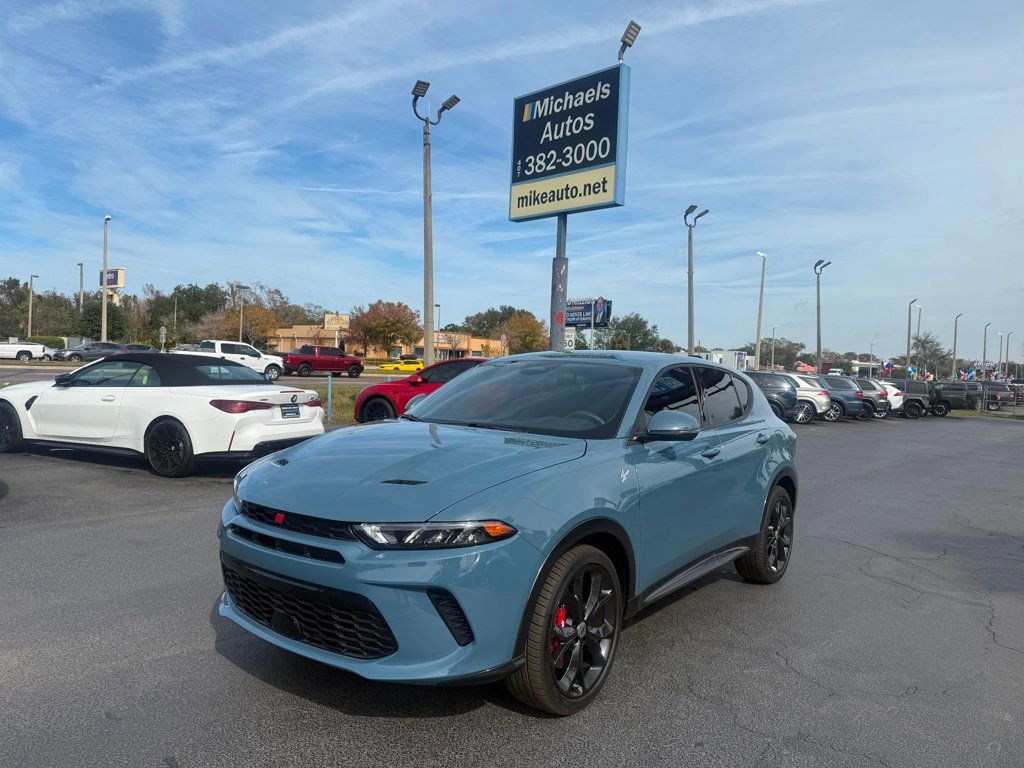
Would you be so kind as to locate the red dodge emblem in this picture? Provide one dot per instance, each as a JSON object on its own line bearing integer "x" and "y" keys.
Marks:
{"x": 279, "y": 518}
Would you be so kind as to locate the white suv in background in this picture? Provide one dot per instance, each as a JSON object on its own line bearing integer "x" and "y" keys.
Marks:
{"x": 895, "y": 395}
{"x": 812, "y": 399}
{"x": 269, "y": 365}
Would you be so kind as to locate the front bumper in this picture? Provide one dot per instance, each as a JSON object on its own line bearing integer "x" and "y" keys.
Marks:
{"x": 491, "y": 583}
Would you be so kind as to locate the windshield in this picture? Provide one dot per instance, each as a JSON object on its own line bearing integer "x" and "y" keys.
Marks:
{"x": 565, "y": 398}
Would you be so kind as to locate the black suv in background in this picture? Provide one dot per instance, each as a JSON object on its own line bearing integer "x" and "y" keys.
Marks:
{"x": 779, "y": 390}
{"x": 956, "y": 395}
{"x": 919, "y": 397}
{"x": 876, "y": 399}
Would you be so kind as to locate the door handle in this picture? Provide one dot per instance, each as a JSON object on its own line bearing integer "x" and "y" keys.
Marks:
{"x": 108, "y": 398}
{"x": 762, "y": 438}
{"x": 710, "y": 453}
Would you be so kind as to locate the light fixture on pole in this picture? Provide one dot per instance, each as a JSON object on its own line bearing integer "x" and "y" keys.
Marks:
{"x": 628, "y": 38}
{"x": 819, "y": 267}
{"x": 773, "y": 346}
{"x": 103, "y": 283}
{"x": 241, "y": 306}
{"x": 956, "y": 321}
{"x": 984, "y": 353}
{"x": 30, "y": 292}
{"x": 760, "y": 307}
{"x": 81, "y": 286}
{"x": 910, "y": 314}
{"x": 689, "y": 272}
{"x": 419, "y": 90}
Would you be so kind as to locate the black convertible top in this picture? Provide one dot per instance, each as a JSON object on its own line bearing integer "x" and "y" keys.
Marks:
{"x": 192, "y": 370}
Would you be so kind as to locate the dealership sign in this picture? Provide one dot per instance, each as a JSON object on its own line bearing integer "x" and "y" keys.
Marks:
{"x": 569, "y": 146}
{"x": 584, "y": 313}
{"x": 112, "y": 278}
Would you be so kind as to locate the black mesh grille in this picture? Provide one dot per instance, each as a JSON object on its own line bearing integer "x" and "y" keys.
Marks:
{"x": 284, "y": 545}
{"x": 340, "y": 622}
{"x": 451, "y": 613}
{"x": 292, "y": 521}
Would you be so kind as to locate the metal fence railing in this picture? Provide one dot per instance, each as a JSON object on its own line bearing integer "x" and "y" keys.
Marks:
{"x": 1010, "y": 403}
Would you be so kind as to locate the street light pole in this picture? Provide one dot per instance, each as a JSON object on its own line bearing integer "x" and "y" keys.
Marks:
{"x": 819, "y": 267}
{"x": 773, "y": 346}
{"x": 1006, "y": 361}
{"x": 760, "y": 307}
{"x": 956, "y": 321}
{"x": 689, "y": 272}
{"x": 30, "y": 292}
{"x": 438, "y": 308}
{"x": 999, "y": 360}
{"x": 910, "y": 313}
{"x": 984, "y": 353}
{"x": 919, "y": 310}
{"x": 871, "y": 363}
{"x": 81, "y": 286}
{"x": 103, "y": 283}
{"x": 418, "y": 91}
{"x": 241, "y": 307}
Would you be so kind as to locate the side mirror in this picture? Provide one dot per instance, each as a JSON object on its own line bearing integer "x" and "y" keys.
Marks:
{"x": 414, "y": 401}
{"x": 416, "y": 380}
{"x": 62, "y": 380}
{"x": 672, "y": 425}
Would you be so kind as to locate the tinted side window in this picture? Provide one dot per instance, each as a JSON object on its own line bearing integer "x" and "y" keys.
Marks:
{"x": 331, "y": 352}
{"x": 207, "y": 345}
{"x": 954, "y": 387}
{"x": 232, "y": 349}
{"x": 866, "y": 385}
{"x": 836, "y": 383}
{"x": 721, "y": 403}
{"x": 443, "y": 373}
{"x": 113, "y": 373}
{"x": 674, "y": 389}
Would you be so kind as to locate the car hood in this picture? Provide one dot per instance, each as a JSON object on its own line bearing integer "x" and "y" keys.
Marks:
{"x": 17, "y": 391}
{"x": 398, "y": 471}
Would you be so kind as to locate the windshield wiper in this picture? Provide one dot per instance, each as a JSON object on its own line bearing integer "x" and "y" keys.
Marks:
{"x": 410, "y": 417}
{"x": 502, "y": 427}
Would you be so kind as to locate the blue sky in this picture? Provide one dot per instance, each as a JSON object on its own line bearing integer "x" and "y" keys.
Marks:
{"x": 273, "y": 142}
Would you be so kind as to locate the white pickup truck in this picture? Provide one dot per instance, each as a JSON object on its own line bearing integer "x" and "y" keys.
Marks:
{"x": 24, "y": 351}
{"x": 269, "y": 365}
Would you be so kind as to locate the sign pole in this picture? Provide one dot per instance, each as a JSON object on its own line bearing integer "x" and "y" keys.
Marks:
{"x": 592, "y": 317}
{"x": 559, "y": 280}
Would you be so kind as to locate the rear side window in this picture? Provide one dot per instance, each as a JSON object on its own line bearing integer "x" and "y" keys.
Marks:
{"x": 721, "y": 401}
{"x": 231, "y": 374}
{"x": 442, "y": 374}
{"x": 331, "y": 352}
{"x": 954, "y": 387}
{"x": 866, "y": 385}
{"x": 306, "y": 350}
{"x": 836, "y": 383}
{"x": 917, "y": 387}
{"x": 207, "y": 345}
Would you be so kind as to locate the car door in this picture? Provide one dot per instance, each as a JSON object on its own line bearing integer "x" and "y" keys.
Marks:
{"x": 330, "y": 359}
{"x": 236, "y": 353}
{"x": 745, "y": 437}
{"x": 680, "y": 482}
{"x": 87, "y": 409}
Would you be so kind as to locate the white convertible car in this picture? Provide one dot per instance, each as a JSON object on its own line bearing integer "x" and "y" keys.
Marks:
{"x": 172, "y": 409}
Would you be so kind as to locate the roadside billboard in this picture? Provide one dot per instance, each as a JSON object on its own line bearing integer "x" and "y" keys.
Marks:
{"x": 569, "y": 146}
{"x": 578, "y": 312}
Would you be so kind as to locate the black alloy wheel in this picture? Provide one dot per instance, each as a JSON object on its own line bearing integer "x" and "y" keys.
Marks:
{"x": 10, "y": 429}
{"x": 573, "y": 633}
{"x": 75, "y": 358}
{"x": 767, "y": 561}
{"x": 305, "y": 369}
{"x": 169, "y": 449}
{"x": 354, "y": 371}
{"x": 912, "y": 409}
{"x": 866, "y": 412}
{"x": 940, "y": 409}
{"x": 377, "y": 409}
{"x": 803, "y": 413}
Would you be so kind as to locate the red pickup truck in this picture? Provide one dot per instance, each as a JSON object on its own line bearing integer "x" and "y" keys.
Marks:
{"x": 309, "y": 359}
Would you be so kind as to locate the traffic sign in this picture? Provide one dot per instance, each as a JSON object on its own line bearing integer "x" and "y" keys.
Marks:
{"x": 570, "y": 338}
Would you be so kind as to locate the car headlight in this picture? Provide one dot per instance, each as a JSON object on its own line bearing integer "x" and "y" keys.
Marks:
{"x": 432, "y": 535}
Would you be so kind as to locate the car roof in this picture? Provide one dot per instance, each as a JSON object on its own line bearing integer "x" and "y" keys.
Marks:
{"x": 650, "y": 361}
{"x": 178, "y": 370}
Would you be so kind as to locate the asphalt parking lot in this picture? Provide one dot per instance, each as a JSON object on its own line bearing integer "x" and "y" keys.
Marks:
{"x": 896, "y": 638}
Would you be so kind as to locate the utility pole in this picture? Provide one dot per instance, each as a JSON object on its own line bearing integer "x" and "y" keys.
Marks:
{"x": 956, "y": 321}
{"x": 773, "y": 346}
{"x": 689, "y": 272}
{"x": 241, "y": 307}
{"x": 984, "y": 353}
{"x": 760, "y": 307}
{"x": 30, "y": 292}
{"x": 103, "y": 283}
{"x": 81, "y": 286}
{"x": 819, "y": 267}
{"x": 1006, "y": 357}
{"x": 910, "y": 314}
{"x": 559, "y": 286}
{"x": 174, "y": 320}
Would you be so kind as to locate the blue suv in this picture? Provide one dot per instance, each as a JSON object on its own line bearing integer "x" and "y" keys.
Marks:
{"x": 846, "y": 396}
{"x": 508, "y": 524}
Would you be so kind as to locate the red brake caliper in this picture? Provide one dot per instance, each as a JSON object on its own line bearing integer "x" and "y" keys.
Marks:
{"x": 559, "y": 624}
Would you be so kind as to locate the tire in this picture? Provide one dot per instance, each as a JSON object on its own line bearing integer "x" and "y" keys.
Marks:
{"x": 866, "y": 412}
{"x": 565, "y": 668}
{"x": 804, "y": 413}
{"x": 377, "y": 409}
{"x": 767, "y": 562}
{"x": 10, "y": 429}
{"x": 75, "y": 358}
{"x": 47, "y": 358}
{"x": 834, "y": 412}
{"x": 880, "y": 414}
{"x": 273, "y": 372}
{"x": 912, "y": 409}
{"x": 169, "y": 449}
{"x": 940, "y": 409}
{"x": 24, "y": 357}
{"x": 305, "y": 369}
{"x": 354, "y": 371}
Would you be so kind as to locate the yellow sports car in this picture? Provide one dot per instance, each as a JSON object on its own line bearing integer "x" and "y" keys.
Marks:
{"x": 406, "y": 366}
